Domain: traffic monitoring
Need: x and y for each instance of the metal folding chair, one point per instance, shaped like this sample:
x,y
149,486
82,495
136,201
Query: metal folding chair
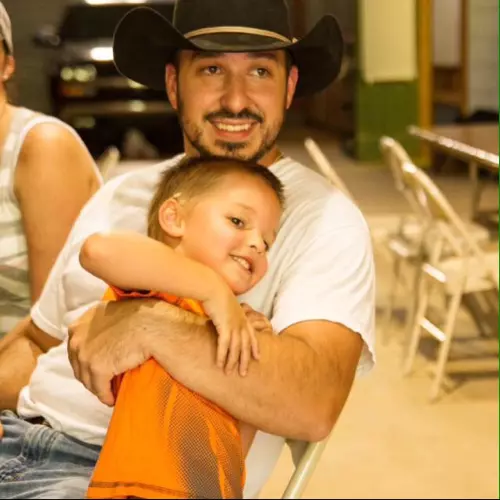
x,y
456,264
108,161
325,167
305,457
409,242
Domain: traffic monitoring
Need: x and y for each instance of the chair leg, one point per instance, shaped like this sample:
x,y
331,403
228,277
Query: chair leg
x,y
444,350
412,309
423,300
395,277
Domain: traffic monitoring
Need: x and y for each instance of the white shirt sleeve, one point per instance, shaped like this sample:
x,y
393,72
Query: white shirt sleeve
x,y
48,312
332,278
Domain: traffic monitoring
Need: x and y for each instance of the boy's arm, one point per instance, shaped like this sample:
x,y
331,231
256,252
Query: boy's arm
x,y
131,261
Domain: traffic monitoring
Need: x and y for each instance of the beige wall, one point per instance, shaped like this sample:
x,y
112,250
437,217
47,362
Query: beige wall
x,y
447,32
483,55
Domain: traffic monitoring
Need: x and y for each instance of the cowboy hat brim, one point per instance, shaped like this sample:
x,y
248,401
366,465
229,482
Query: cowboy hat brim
x,y
145,42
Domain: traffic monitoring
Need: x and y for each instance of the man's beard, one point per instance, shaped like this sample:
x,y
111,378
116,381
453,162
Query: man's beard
x,y
194,135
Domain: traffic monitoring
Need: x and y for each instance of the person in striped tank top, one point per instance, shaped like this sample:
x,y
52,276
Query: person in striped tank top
x,y
46,176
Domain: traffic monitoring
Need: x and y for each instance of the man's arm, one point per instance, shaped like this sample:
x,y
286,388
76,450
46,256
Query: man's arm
x,y
19,350
296,390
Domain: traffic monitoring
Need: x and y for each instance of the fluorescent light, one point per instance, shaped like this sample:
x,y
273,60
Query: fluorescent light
x,y
102,53
111,2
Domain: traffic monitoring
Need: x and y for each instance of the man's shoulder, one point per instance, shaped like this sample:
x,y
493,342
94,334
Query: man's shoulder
x,y
312,201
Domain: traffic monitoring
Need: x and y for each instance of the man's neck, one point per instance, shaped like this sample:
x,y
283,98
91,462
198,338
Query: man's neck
x,y
267,160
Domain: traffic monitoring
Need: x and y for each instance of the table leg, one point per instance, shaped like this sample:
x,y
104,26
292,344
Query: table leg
x,y
476,189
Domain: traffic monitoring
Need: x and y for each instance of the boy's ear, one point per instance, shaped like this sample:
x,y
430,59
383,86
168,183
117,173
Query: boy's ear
x,y
171,218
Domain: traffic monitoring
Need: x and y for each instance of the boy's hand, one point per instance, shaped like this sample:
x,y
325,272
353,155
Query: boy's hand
x,y
259,321
237,340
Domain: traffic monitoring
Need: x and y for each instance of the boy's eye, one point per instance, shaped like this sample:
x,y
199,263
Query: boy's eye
x,y
237,222
267,246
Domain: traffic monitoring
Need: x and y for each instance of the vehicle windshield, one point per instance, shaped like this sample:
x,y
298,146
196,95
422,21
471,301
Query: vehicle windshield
x,y
86,22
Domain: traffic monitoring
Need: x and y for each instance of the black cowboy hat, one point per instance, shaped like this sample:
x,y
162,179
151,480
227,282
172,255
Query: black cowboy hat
x,y
145,41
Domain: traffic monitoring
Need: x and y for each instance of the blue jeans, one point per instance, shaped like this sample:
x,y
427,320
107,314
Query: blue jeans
x,y
39,462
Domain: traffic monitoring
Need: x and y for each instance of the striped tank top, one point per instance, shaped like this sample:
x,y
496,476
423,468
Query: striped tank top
x,y
15,300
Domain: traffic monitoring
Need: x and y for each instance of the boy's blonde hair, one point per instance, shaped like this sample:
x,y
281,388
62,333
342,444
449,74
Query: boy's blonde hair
x,y
193,177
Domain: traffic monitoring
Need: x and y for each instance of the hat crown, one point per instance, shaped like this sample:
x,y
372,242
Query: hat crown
x,y
269,15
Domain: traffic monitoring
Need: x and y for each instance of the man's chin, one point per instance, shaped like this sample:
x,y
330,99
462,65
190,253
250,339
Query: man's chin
x,y
236,150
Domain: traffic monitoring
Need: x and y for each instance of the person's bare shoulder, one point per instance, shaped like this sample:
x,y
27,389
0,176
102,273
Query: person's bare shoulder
x,y
51,146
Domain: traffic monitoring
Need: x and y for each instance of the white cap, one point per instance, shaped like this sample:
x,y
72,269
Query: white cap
x,y
6,29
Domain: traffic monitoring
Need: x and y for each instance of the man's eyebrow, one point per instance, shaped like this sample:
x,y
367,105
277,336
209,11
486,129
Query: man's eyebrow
x,y
205,54
272,56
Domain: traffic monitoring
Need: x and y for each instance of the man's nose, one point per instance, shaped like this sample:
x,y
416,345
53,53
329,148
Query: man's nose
x,y
235,98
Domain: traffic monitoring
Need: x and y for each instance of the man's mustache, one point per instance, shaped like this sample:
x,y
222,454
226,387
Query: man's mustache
x,y
228,115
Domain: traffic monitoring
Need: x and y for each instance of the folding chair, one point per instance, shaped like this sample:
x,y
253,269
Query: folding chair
x,y
325,167
456,264
404,240
108,161
409,242
305,457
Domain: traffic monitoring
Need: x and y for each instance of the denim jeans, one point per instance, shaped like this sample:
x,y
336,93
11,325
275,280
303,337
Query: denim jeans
x,y
39,462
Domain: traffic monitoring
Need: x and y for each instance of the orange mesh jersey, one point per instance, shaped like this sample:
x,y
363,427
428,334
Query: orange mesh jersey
x,y
164,440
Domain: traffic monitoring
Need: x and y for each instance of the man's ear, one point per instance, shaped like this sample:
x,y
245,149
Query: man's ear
x,y
172,218
293,79
171,85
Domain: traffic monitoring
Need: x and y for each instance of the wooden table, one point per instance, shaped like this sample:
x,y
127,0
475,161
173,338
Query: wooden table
x,y
477,144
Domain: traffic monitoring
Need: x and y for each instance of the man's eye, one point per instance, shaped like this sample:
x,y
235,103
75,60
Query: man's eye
x,y
237,222
212,70
261,72
267,246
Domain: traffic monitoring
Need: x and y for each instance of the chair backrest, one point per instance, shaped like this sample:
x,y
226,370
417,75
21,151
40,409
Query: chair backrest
x,y
325,167
443,218
108,161
395,156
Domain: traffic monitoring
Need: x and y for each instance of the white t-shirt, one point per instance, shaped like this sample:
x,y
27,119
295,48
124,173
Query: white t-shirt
x,y
320,268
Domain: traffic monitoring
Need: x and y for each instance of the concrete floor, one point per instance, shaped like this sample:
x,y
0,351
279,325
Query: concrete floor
x,y
390,441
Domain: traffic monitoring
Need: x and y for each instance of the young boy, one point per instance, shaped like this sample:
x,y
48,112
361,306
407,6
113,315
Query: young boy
x,y
210,226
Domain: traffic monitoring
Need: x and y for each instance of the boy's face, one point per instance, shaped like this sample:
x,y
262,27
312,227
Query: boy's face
x,y
232,104
231,229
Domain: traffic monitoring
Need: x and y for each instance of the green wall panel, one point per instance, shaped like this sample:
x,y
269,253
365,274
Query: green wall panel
x,y
385,109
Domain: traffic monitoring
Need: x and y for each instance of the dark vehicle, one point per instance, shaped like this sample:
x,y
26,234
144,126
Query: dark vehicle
x,y
86,89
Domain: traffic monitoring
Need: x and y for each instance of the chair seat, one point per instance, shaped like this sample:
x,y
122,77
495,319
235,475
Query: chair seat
x,y
382,227
404,248
450,272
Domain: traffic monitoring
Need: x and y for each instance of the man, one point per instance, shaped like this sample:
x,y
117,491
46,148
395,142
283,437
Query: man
x,y
231,70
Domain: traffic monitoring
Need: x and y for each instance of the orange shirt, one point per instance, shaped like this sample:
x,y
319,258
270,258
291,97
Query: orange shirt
x,y
164,440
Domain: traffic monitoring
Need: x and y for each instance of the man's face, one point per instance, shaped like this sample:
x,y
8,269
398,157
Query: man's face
x,y
231,104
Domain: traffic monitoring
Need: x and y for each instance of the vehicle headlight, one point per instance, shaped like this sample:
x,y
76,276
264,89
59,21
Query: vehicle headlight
x,y
85,73
82,74
67,74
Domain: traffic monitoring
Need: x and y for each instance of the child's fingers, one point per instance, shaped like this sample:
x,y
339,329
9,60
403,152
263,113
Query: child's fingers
x,y
254,344
262,325
222,348
234,352
245,352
